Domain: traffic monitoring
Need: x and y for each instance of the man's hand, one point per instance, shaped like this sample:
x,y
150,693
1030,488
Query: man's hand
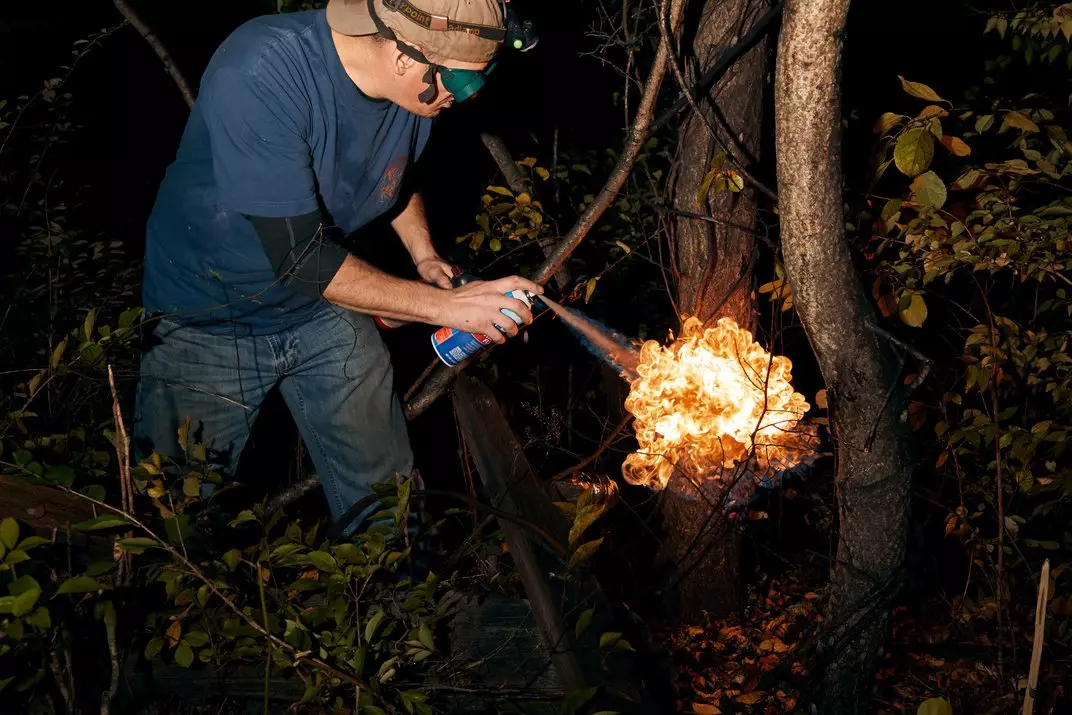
x,y
436,270
475,307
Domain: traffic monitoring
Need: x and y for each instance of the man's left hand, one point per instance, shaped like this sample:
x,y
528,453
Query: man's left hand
x,y
436,270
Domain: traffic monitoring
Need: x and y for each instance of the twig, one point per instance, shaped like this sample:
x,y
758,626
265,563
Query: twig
x,y
595,455
1039,639
723,63
440,378
264,617
926,362
126,484
58,674
113,653
158,47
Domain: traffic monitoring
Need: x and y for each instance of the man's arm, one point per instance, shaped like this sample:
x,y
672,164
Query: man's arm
x,y
411,225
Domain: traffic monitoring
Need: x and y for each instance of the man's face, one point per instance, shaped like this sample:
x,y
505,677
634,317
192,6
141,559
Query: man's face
x,y
410,75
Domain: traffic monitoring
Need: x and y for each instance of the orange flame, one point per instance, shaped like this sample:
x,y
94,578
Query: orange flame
x,y
711,400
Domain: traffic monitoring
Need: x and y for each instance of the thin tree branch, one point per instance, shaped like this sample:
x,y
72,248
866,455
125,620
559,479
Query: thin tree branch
x,y
158,47
440,379
723,63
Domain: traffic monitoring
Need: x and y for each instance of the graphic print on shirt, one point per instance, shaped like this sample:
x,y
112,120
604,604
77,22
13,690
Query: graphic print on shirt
x,y
391,179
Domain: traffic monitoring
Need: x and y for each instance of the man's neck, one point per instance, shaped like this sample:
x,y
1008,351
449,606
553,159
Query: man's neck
x,y
355,53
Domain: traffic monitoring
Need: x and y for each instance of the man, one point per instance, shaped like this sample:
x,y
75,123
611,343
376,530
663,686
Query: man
x,y
302,134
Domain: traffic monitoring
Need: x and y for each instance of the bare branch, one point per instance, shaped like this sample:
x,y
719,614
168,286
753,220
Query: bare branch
x,y
158,47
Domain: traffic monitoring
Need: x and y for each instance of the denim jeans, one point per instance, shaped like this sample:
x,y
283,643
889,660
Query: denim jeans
x,y
333,371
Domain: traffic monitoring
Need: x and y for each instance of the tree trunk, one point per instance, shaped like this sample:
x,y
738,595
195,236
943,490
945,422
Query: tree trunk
x,y
872,476
714,262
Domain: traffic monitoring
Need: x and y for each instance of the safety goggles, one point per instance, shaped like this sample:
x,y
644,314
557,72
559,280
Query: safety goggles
x,y
463,84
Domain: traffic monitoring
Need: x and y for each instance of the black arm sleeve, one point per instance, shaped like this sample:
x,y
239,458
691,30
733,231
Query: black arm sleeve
x,y
303,257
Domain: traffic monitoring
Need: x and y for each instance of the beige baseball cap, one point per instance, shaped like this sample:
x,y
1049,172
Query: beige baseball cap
x,y
443,30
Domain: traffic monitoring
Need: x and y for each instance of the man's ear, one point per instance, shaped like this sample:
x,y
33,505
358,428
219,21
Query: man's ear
x,y
402,62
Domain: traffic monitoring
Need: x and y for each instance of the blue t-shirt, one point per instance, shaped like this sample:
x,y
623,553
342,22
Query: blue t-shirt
x,y
279,129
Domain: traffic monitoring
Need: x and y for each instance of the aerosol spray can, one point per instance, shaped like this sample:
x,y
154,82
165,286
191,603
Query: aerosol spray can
x,y
454,346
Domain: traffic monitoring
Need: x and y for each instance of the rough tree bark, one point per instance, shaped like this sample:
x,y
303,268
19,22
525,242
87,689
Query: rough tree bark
x,y
872,479
713,262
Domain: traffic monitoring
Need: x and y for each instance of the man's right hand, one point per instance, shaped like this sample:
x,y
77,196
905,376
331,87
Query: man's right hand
x,y
476,307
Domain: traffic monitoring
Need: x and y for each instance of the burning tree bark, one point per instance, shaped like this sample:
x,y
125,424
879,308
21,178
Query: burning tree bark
x,y
713,261
872,476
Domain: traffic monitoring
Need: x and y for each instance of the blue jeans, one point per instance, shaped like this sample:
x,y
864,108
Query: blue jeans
x,y
333,371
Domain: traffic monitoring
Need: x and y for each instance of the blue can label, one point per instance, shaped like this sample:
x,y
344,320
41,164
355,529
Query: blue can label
x,y
454,346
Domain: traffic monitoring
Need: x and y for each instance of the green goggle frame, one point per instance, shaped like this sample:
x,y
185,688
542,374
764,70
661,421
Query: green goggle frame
x,y
463,84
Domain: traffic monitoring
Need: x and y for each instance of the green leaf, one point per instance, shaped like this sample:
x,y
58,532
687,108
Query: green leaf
x,y
734,181
31,542
914,151
373,624
919,90
590,288
323,561
104,521
4,682
15,556
196,639
243,516
9,532
495,245
583,622
583,553
984,122
935,706
609,640
928,190
184,655
232,558
40,618
426,637
81,584
138,544
6,604
916,312
153,647
705,187
24,602
23,585
61,474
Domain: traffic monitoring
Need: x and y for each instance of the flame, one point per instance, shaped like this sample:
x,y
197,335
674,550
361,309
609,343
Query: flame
x,y
712,400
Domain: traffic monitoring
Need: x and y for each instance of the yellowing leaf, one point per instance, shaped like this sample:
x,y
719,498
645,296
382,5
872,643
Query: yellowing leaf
x,y
734,181
750,698
916,312
495,245
919,90
624,247
929,190
584,552
524,198
500,190
1066,29
984,122
914,151
887,121
820,399
174,632
956,145
590,288
543,173
932,110
705,709
1019,120
967,180
935,706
